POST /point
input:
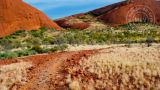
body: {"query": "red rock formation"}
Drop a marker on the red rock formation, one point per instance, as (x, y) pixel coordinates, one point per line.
(73, 22)
(123, 13)
(65, 23)
(130, 11)
(17, 15)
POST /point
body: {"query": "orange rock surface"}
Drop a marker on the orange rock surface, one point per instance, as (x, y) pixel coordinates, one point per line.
(17, 15)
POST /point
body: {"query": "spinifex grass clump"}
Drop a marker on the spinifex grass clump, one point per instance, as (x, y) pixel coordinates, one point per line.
(118, 68)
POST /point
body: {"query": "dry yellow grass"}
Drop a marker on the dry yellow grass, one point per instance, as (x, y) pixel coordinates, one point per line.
(13, 74)
(89, 47)
(122, 68)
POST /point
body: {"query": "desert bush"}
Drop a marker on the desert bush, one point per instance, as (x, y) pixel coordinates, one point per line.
(16, 44)
(33, 41)
(59, 40)
(8, 55)
(130, 26)
(38, 49)
(19, 33)
(26, 52)
(5, 41)
(63, 47)
(48, 40)
(59, 48)
(38, 33)
(54, 49)
(32, 51)
(18, 53)
(70, 38)
(149, 41)
(43, 29)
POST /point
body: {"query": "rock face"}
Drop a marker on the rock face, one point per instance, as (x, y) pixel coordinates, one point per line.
(130, 11)
(122, 13)
(17, 15)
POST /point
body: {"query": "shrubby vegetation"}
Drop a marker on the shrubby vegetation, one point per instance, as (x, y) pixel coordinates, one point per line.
(31, 51)
(33, 41)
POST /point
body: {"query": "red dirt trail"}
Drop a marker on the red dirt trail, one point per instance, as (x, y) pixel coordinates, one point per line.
(48, 71)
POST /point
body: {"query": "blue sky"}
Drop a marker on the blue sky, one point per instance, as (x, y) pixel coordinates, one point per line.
(61, 8)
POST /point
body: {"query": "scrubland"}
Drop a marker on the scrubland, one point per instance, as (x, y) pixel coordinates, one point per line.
(44, 40)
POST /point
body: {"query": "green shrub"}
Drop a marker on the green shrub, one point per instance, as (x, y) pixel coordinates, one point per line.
(26, 52)
(5, 41)
(59, 40)
(54, 49)
(33, 41)
(38, 49)
(19, 33)
(59, 48)
(63, 47)
(16, 44)
(48, 40)
(8, 55)
(19, 53)
(37, 33)
(43, 29)
(149, 41)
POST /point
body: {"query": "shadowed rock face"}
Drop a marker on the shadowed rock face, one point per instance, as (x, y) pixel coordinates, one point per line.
(130, 11)
(17, 15)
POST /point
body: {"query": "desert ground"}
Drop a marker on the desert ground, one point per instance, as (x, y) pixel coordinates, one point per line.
(109, 67)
